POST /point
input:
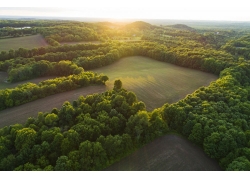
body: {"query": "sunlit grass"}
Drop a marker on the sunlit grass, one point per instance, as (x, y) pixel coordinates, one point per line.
(154, 82)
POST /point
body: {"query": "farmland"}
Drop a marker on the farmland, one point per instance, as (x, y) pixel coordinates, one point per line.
(176, 79)
(167, 153)
(24, 42)
(154, 82)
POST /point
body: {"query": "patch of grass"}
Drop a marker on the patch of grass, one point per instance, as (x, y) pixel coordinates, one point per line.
(154, 82)
(28, 42)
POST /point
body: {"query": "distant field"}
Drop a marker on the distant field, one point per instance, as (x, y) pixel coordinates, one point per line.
(154, 82)
(167, 153)
(28, 42)
(4, 84)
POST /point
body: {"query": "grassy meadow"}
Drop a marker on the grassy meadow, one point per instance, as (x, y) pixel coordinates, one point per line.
(154, 82)
(28, 42)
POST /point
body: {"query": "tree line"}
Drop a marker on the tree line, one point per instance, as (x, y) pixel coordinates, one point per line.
(27, 92)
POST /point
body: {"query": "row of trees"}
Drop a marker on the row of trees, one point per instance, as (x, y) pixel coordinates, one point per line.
(29, 91)
(42, 52)
(43, 68)
(90, 134)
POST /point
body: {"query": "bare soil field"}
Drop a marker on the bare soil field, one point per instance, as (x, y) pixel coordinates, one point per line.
(167, 153)
(20, 114)
(28, 42)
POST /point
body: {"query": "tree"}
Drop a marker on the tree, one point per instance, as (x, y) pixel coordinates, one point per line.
(239, 164)
(25, 138)
(51, 119)
(117, 84)
(92, 156)
(137, 126)
(197, 134)
(62, 164)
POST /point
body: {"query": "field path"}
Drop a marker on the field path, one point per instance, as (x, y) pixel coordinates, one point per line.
(20, 114)
(167, 153)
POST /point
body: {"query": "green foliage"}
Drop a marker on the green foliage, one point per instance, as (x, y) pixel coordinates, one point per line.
(117, 84)
(29, 91)
(97, 131)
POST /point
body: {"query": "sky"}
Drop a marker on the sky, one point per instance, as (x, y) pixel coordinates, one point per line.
(236, 10)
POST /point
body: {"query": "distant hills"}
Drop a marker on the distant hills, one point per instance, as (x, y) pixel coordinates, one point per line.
(183, 27)
(140, 25)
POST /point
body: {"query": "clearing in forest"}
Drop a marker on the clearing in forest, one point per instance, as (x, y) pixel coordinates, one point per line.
(154, 82)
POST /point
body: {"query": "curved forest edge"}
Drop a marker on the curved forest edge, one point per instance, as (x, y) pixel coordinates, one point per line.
(214, 117)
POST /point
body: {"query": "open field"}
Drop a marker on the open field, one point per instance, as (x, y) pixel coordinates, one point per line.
(4, 84)
(20, 114)
(28, 42)
(167, 153)
(154, 82)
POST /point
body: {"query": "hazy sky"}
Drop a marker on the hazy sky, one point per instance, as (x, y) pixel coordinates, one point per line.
(237, 10)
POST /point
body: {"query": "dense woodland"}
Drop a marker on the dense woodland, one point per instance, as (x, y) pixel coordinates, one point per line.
(98, 130)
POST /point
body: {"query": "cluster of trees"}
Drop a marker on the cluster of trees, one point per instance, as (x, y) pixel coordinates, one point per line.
(27, 92)
(217, 118)
(239, 48)
(89, 134)
(14, 32)
(69, 32)
(42, 68)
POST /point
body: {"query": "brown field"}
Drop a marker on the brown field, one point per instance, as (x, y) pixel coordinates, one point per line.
(167, 153)
(20, 114)
(155, 82)
(28, 42)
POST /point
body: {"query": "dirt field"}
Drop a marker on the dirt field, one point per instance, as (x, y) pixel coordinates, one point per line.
(154, 82)
(20, 114)
(167, 153)
(28, 42)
